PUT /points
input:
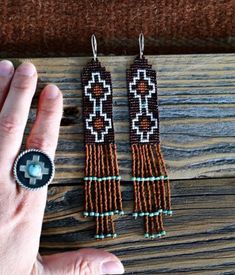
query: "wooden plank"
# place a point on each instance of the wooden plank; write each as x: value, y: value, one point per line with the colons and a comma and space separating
x: 200, y: 234
x: 197, y: 100
x: 197, y: 109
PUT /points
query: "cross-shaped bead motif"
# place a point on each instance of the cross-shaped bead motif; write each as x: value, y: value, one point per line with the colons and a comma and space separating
x: 36, y: 162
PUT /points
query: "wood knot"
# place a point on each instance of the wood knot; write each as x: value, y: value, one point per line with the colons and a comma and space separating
x: 71, y: 116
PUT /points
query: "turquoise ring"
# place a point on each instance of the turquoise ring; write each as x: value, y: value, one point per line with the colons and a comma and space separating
x: 33, y: 169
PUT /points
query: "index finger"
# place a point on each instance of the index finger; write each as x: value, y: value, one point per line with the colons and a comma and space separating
x: 14, y: 113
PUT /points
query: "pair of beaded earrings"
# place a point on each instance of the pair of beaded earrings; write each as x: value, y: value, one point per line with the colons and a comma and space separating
x: 103, y: 198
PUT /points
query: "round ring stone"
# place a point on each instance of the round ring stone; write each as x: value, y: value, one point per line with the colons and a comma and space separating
x: 33, y: 169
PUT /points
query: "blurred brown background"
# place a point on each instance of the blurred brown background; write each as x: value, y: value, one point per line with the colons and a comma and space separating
x: 63, y: 28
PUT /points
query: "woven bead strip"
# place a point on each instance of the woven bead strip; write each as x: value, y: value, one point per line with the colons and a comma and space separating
x: 143, y: 111
x: 97, y: 103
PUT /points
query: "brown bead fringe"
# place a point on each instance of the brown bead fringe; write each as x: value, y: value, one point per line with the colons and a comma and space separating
x: 150, y: 196
x: 102, y: 196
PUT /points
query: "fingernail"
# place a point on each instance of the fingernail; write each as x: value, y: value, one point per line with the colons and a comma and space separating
x: 52, y: 91
x: 112, y: 268
x: 26, y: 69
x: 6, y: 68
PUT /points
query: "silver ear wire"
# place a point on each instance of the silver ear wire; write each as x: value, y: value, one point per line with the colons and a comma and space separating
x: 141, y: 44
x: 94, y: 46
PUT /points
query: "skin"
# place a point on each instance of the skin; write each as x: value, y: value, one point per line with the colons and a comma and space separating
x: 21, y: 210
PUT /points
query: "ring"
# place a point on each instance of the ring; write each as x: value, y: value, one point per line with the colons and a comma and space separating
x: 33, y: 169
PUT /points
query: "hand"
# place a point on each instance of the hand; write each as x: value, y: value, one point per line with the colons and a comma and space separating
x: 21, y: 211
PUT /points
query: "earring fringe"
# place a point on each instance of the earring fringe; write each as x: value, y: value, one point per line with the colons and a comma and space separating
x: 102, y: 188
x: 151, y: 187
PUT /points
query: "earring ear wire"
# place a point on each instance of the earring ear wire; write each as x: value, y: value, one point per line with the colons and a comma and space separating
x: 141, y: 44
x: 94, y: 46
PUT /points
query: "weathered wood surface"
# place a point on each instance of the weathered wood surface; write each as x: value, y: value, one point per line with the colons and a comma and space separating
x: 200, y: 235
x: 197, y: 109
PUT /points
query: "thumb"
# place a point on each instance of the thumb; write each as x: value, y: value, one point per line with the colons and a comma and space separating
x: 83, y: 262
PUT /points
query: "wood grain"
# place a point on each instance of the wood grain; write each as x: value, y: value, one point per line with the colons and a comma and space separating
x: 200, y: 235
x: 197, y: 109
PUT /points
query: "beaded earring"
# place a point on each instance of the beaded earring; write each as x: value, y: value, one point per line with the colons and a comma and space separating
x: 150, y: 178
x: 102, y: 181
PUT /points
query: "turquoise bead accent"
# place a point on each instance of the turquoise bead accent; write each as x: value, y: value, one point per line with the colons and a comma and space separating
x: 103, y: 178
x: 144, y: 105
x: 102, y: 236
x: 167, y: 212
x: 152, y: 236
x: 149, y: 178
x: 135, y: 215
x: 152, y: 214
x: 110, y: 213
x: 34, y: 170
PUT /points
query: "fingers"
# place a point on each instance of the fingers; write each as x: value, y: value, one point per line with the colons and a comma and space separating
x: 14, y: 113
x: 85, y: 261
x: 6, y: 73
x: 43, y: 136
x: 45, y: 132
